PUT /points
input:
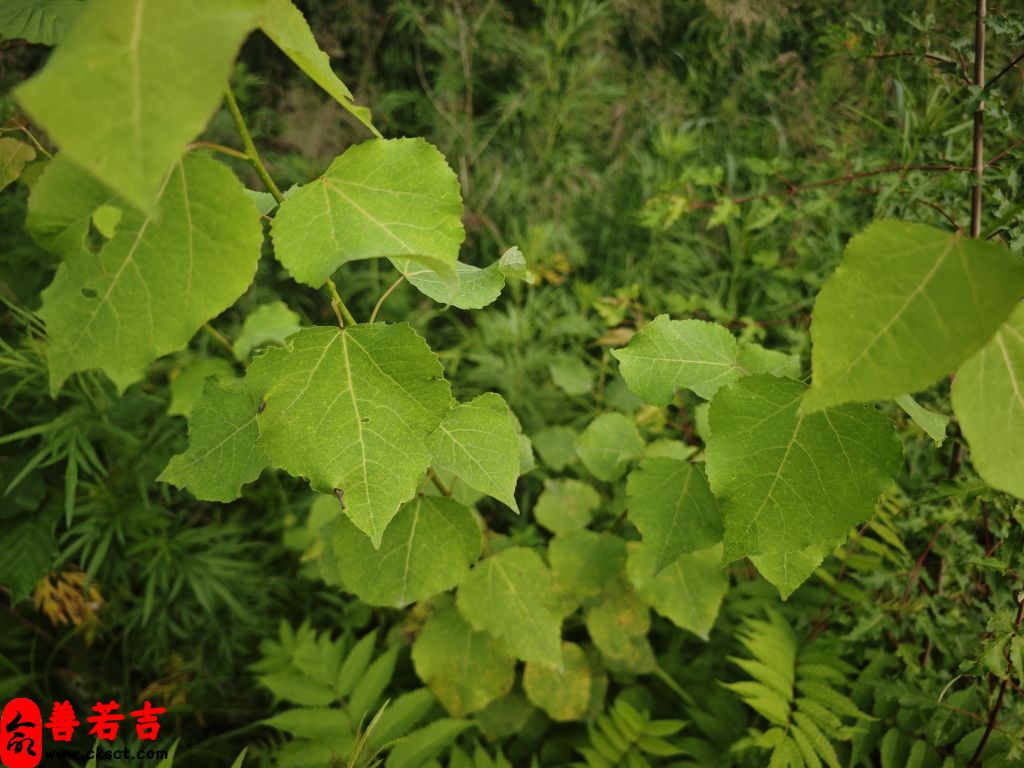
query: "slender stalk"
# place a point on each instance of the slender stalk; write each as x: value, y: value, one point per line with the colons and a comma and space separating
x: 250, y: 148
x: 441, y: 486
x: 979, y: 118
x: 384, y: 296
x: 344, y: 316
x: 219, y: 338
x: 218, y: 148
x: 993, y: 714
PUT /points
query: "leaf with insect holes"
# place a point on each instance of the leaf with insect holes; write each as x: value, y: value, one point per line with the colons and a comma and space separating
x: 667, y: 355
x: 479, y: 442
x: 510, y: 595
x: 382, y: 198
x: 223, y: 453
x: 669, y: 501
x: 283, y: 23
x: 988, y: 398
x: 133, y: 82
x: 351, y: 409
x: 466, y: 669
x: 147, y: 290
x: 788, y: 481
x: 426, y: 549
x: 907, y: 304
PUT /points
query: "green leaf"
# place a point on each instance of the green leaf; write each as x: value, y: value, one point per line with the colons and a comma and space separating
x: 788, y: 481
x: 512, y: 265
x: 563, y: 691
x: 510, y: 596
x: 38, y: 21
x: 270, y: 324
x: 584, y: 561
x: 351, y: 410
x: 14, y: 156
x: 465, y: 669
x: 283, y: 23
x: 426, y: 549
x: 367, y: 694
x: 688, y: 591
x: 753, y: 358
x: 618, y: 624
x: 934, y: 424
x: 401, y: 716
x: 555, y: 446
x: 667, y: 355
x: 608, y: 444
x: 147, y: 290
x: 310, y: 722
x: 479, y: 442
x: 187, y: 386
x: 380, y: 198
x: 572, y: 376
x: 788, y: 570
x: 477, y: 287
x: 223, y: 453
x: 421, y: 746
x: 565, y: 505
x: 906, y: 306
x: 134, y: 82
x: 27, y: 547
x: 670, y: 502
x: 988, y: 398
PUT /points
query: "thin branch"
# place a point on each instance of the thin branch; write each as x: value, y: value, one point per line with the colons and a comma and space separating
x: 792, y: 191
x: 384, y: 296
x: 24, y: 129
x: 979, y: 118
x: 927, y: 56
x: 250, y: 148
x: 993, y: 713
x: 1005, y: 69
x: 219, y: 338
x: 441, y: 486
x: 1004, y: 153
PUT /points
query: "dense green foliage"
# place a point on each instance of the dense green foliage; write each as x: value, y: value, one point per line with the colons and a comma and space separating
x: 621, y: 385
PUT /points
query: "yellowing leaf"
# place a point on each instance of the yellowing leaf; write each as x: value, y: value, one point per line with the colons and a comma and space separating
x: 465, y: 669
x: 510, y: 596
x: 563, y: 691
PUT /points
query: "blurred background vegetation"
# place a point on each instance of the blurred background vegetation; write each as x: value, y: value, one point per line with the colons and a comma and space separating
x: 705, y: 158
